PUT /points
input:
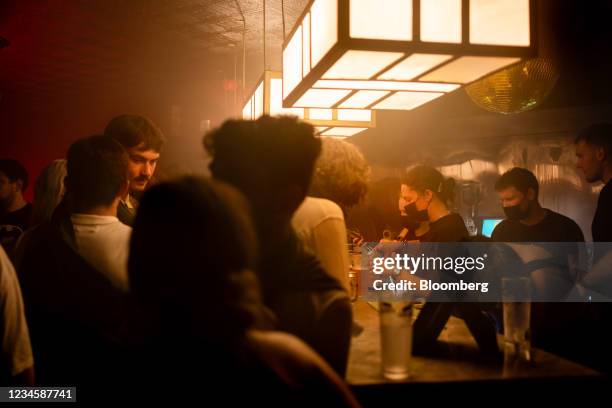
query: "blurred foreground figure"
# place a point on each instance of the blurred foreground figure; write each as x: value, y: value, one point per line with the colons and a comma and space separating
x: 271, y: 162
x: 191, y: 258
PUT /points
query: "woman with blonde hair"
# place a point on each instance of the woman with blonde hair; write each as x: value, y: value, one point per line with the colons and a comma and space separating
x: 49, y: 191
x: 339, y: 182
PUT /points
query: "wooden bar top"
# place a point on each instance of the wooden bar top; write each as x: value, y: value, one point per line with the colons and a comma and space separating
x: 459, y: 363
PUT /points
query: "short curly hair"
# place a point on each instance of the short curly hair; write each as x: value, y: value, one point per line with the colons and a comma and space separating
x: 341, y: 174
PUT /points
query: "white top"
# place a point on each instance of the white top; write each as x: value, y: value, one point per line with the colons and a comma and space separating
x: 104, y: 241
x: 15, y: 337
x: 319, y: 223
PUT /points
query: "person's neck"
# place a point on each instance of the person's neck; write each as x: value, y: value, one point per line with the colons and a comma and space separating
x: 536, y: 215
x: 437, y: 210
x: 17, y: 204
x: 102, y: 210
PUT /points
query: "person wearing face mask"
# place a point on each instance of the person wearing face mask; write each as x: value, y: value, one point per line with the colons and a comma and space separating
x: 526, y: 220
x: 427, y: 194
x: 412, y: 229
x: 553, y: 324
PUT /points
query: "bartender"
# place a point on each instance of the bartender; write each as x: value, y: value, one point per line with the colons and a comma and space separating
x: 428, y: 193
x: 553, y: 324
x: 411, y: 230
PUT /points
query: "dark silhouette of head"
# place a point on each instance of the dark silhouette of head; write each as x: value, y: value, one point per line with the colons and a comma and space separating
x: 191, y: 255
x: 96, y: 172
x: 270, y: 160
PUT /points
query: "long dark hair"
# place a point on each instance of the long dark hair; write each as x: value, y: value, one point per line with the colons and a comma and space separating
x: 192, y: 251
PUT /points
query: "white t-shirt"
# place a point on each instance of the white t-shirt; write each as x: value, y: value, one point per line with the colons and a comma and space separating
x: 103, y: 241
x: 16, y: 347
x: 319, y: 223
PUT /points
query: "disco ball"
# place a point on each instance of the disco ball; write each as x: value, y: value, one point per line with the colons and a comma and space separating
x: 517, y: 89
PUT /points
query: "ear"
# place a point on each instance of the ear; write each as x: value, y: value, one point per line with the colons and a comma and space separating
x: 531, y: 195
x: 19, y: 185
x: 600, y: 153
x: 428, y: 195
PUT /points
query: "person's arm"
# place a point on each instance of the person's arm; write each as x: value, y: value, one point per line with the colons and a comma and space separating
x: 330, y: 247
x: 302, y: 369
x: 16, y: 347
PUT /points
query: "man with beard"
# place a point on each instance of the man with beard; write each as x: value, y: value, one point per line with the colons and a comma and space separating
x: 143, y: 141
x: 526, y: 220
x: 554, y: 325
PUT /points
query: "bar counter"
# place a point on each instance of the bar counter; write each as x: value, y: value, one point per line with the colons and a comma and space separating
x: 460, y: 361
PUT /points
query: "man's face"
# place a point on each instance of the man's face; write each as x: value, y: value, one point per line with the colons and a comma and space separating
x: 8, y: 189
x: 141, y: 166
x: 590, y: 161
x: 509, y: 197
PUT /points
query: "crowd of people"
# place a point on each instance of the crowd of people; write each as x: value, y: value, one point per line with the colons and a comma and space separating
x: 108, y: 278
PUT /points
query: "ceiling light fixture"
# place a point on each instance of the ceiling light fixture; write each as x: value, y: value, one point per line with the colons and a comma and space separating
x: 400, y: 54
x: 267, y: 99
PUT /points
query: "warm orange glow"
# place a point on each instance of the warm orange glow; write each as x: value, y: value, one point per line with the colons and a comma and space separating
x: 382, y: 20
x: 468, y: 69
x: 361, y: 64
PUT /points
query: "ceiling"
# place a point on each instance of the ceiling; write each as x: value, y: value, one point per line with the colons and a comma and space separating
x: 60, y: 47
x: 64, y: 47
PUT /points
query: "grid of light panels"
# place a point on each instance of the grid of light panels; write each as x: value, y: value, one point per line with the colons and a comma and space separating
x: 267, y: 99
x: 400, y: 54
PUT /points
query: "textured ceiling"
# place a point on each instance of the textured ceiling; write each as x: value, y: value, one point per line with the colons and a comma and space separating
x: 61, y: 46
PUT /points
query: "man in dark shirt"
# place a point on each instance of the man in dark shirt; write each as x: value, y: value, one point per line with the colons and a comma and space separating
x: 553, y: 324
x: 526, y: 220
x: 15, y: 211
x: 594, y: 153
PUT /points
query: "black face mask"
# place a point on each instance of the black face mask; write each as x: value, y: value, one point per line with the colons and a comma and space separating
x: 415, y: 215
x: 516, y: 213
